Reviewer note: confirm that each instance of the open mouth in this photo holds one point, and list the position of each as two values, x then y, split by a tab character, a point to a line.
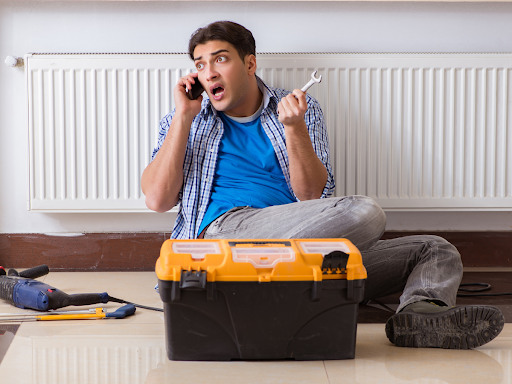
217	92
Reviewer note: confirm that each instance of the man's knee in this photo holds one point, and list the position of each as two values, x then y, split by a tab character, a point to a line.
367	220
365	210
440	243
442	249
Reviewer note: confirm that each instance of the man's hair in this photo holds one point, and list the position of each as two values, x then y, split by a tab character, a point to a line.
235	34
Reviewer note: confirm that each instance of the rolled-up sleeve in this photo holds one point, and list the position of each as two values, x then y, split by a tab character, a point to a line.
165	123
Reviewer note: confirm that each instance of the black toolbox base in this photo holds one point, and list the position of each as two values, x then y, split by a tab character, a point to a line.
261	321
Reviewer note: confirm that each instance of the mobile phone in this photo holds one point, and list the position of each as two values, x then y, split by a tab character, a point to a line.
196	90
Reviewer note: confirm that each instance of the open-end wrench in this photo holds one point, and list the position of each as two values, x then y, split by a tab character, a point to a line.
312	81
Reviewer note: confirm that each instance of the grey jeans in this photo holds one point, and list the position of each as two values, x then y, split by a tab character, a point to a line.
422	267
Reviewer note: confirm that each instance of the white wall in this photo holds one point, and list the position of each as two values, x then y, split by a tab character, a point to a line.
277	26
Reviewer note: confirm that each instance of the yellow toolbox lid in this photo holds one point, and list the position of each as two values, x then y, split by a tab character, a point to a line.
261	260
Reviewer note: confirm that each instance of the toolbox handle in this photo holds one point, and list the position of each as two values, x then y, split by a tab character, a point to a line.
235	243
335	260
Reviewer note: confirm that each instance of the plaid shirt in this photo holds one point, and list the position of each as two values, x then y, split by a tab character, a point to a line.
203	145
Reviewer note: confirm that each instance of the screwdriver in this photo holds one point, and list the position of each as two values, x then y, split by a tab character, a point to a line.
120	313
39	313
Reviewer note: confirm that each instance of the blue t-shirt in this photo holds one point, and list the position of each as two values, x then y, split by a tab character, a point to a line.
247	171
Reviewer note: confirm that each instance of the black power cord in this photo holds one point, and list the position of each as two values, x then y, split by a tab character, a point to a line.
116	300
475	293
367	302
482	287
485	287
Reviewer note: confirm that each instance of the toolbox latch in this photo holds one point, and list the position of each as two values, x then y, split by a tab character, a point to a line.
193	279
335	261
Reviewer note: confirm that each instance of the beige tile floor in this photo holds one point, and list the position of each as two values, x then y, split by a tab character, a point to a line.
132	350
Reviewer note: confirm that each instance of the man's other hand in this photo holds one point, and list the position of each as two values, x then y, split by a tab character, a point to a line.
292	108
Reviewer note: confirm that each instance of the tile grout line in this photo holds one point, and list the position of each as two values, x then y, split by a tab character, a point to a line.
326	373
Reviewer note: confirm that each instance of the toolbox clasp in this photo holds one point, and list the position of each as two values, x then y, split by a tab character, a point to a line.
335	262
193	279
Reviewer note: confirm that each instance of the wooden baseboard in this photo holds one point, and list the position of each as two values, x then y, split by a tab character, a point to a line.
477	249
139	251
83	252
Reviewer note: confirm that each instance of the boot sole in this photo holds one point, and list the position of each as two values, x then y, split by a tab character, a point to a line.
462	327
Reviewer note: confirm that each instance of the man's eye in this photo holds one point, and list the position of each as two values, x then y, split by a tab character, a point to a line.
199	66
221	59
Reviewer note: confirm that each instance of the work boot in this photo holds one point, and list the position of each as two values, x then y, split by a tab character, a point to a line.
427	324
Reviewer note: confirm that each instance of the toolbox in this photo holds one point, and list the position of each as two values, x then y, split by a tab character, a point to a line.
260	299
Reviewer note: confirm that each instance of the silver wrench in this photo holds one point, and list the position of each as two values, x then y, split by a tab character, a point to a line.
311	82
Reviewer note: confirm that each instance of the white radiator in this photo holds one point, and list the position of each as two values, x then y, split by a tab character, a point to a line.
413	131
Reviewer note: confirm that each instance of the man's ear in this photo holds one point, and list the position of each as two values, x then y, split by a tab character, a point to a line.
250	64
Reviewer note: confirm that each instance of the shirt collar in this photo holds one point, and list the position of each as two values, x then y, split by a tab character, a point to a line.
270	97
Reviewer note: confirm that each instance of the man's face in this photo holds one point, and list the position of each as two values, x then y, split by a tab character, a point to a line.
224	76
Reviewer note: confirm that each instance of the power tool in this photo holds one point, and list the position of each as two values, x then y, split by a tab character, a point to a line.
22	291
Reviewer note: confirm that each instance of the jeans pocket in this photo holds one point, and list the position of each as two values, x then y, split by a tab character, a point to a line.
219	224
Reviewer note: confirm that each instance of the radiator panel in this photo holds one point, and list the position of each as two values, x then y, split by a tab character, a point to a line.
413	131
93	126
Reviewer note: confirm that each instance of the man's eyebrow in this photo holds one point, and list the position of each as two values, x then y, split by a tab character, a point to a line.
212	54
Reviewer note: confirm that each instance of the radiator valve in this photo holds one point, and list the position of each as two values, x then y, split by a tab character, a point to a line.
12	61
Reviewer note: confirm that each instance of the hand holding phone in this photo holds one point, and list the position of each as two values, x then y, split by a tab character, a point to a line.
196	90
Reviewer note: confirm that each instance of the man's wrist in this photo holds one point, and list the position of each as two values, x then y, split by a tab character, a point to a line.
184	118
299	127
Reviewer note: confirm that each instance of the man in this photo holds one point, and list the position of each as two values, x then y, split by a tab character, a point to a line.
251	161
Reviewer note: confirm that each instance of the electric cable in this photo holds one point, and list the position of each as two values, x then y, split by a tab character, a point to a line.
485	287
481	287
378	303
116	300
